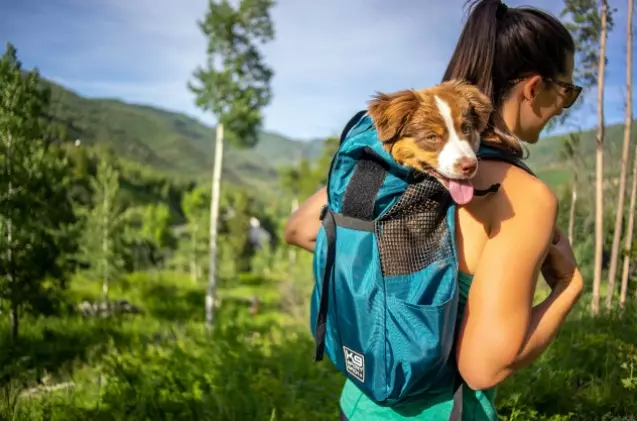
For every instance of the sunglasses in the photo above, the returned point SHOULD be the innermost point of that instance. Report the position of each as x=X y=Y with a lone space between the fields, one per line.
x=571 y=92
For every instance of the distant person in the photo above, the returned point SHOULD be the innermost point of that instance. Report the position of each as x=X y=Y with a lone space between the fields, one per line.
x=522 y=58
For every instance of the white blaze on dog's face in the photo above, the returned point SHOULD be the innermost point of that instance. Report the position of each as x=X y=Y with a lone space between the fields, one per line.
x=435 y=130
x=457 y=158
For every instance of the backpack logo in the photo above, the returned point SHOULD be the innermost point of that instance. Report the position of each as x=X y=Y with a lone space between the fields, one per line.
x=354 y=364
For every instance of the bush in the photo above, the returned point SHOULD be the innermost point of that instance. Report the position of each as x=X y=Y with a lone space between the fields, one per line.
x=244 y=372
x=162 y=366
x=589 y=372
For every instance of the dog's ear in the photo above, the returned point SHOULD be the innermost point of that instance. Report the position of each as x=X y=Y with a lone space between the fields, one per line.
x=391 y=112
x=480 y=103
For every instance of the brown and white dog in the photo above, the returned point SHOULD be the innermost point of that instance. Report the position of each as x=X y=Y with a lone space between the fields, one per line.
x=436 y=131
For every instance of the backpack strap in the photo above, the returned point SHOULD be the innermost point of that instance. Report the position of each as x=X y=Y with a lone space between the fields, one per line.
x=357 y=212
x=351 y=123
x=489 y=153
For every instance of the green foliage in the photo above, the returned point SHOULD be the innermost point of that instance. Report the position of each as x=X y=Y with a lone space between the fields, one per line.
x=159 y=365
x=193 y=240
x=235 y=84
x=151 y=234
x=166 y=144
x=102 y=228
x=307 y=177
x=584 y=21
x=235 y=228
x=34 y=175
x=589 y=373
x=156 y=224
x=546 y=154
x=237 y=208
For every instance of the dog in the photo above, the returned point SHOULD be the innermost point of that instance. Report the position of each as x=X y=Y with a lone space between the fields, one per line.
x=435 y=131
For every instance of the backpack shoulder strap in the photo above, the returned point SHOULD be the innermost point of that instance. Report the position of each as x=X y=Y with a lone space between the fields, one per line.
x=495 y=154
x=490 y=153
x=351 y=123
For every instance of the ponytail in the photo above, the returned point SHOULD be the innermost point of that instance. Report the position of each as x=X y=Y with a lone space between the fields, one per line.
x=525 y=41
x=474 y=55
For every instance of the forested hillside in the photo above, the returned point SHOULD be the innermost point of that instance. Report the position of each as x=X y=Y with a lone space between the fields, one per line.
x=169 y=142
x=546 y=157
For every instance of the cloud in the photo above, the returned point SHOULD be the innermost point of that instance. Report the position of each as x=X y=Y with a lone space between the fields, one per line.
x=329 y=57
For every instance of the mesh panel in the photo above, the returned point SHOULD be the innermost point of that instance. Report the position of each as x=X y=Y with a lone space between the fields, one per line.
x=414 y=233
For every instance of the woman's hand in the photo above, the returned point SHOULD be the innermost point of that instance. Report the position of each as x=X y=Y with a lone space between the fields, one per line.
x=560 y=268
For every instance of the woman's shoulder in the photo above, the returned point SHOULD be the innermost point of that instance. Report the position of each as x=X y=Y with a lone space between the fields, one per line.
x=520 y=193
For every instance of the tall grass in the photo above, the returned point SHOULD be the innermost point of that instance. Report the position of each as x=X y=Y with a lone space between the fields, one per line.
x=162 y=366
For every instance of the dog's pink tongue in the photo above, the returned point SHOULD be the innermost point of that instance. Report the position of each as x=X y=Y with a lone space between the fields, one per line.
x=461 y=191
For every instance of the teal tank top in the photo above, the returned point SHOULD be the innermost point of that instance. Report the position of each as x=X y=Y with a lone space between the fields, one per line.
x=477 y=406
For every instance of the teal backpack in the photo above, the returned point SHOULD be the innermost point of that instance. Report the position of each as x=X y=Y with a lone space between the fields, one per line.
x=385 y=298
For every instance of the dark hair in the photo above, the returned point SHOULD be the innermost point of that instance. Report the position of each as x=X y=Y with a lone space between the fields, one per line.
x=499 y=44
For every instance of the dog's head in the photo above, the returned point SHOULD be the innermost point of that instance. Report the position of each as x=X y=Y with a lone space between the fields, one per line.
x=435 y=130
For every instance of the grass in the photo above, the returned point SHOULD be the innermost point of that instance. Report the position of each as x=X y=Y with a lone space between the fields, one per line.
x=161 y=365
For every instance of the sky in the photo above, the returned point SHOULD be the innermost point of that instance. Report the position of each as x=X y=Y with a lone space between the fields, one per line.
x=329 y=56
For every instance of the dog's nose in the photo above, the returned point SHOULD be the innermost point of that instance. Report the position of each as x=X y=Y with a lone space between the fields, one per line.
x=467 y=166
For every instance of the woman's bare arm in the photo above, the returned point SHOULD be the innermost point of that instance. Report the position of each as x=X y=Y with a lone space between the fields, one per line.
x=500 y=331
x=302 y=227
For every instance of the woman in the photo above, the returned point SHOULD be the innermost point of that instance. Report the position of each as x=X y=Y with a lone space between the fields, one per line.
x=523 y=59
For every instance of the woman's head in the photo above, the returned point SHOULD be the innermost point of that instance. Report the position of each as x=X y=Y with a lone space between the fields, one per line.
x=522 y=58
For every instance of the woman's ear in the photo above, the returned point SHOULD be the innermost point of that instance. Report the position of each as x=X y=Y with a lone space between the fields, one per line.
x=531 y=87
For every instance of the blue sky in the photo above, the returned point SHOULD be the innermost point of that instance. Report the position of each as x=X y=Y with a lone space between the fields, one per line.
x=329 y=56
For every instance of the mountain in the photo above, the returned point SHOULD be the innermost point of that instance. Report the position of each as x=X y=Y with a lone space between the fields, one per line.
x=545 y=155
x=170 y=142
x=181 y=146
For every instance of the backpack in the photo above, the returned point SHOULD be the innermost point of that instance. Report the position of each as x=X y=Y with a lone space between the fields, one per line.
x=385 y=298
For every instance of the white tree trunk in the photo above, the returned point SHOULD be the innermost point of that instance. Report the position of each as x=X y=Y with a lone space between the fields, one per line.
x=194 y=271
x=629 y=233
x=292 y=251
x=214 y=219
x=599 y=164
x=105 y=254
x=625 y=158
x=10 y=279
x=571 y=215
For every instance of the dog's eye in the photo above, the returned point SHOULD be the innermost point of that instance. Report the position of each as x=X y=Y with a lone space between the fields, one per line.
x=432 y=137
x=466 y=128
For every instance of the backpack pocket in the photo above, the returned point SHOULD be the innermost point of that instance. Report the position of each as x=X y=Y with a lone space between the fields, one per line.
x=421 y=312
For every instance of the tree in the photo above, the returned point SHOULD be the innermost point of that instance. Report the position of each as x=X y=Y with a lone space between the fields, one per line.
x=590 y=22
x=234 y=86
x=102 y=228
x=193 y=205
x=619 y=217
x=628 y=235
x=235 y=227
x=155 y=231
x=291 y=178
x=35 y=210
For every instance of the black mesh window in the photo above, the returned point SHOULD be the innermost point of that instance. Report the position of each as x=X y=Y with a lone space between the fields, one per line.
x=414 y=233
